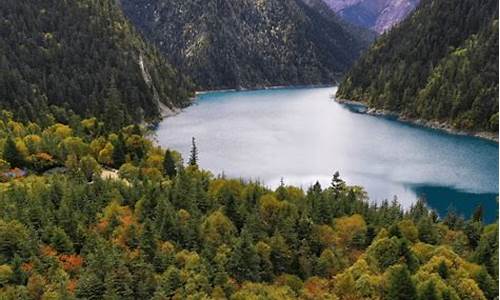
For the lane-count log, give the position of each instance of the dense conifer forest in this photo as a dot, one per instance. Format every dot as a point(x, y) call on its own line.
point(247, 43)
point(92, 208)
point(441, 64)
point(82, 57)
point(73, 228)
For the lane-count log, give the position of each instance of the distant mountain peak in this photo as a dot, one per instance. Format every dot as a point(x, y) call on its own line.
point(378, 15)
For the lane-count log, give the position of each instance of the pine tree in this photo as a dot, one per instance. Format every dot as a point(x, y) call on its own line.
point(147, 241)
point(486, 283)
point(193, 159)
point(337, 183)
point(443, 270)
point(169, 165)
point(118, 284)
point(244, 262)
point(401, 287)
point(170, 281)
point(60, 240)
point(477, 216)
point(429, 292)
point(118, 155)
point(90, 286)
point(11, 154)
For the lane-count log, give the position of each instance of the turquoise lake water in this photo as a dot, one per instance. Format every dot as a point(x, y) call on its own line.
point(302, 135)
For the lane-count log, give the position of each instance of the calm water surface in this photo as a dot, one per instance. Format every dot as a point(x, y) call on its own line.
point(302, 135)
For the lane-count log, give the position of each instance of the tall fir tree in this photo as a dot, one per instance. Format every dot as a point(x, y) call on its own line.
point(193, 159)
point(118, 155)
point(244, 262)
point(169, 165)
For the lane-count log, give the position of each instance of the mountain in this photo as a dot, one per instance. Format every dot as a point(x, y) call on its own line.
point(81, 56)
point(441, 64)
point(378, 15)
point(247, 43)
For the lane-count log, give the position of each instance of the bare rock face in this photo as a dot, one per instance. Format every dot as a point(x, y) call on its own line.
point(378, 15)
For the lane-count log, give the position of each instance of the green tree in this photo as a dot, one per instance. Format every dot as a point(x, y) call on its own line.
point(169, 167)
point(428, 291)
point(193, 158)
point(443, 270)
point(90, 286)
point(118, 155)
point(337, 183)
point(89, 167)
point(244, 261)
point(477, 215)
point(147, 241)
point(170, 281)
point(427, 232)
point(400, 285)
point(487, 284)
point(13, 240)
point(118, 284)
point(60, 240)
point(11, 154)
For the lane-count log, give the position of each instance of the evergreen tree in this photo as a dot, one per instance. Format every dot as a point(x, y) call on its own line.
point(170, 281)
point(427, 232)
point(11, 154)
point(118, 284)
point(487, 284)
point(60, 240)
point(443, 270)
point(118, 155)
point(337, 183)
point(473, 231)
point(193, 159)
point(169, 165)
point(148, 241)
point(477, 216)
point(244, 262)
point(90, 286)
point(401, 287)
point(429, 292)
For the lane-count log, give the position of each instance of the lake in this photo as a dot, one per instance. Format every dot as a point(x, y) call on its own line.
point(302, 135)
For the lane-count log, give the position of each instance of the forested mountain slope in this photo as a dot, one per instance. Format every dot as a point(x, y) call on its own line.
point(160, 229)
point(248, 43)
point(84, 56)
point(441, 64)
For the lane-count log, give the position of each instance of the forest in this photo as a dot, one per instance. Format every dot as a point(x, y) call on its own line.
point(440, 64)
point(247, 44)
point(92, 208)
point(60, 58)
point(162, 228)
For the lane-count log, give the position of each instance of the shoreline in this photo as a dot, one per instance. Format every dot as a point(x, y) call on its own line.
point(442, 126)
point(267, 87)
point(167, 112)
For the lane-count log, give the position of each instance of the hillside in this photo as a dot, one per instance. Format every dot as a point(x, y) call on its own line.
point(83, 56)
point(165, 230)
point(440, 65)
point(247, 43)
point(378, 15)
